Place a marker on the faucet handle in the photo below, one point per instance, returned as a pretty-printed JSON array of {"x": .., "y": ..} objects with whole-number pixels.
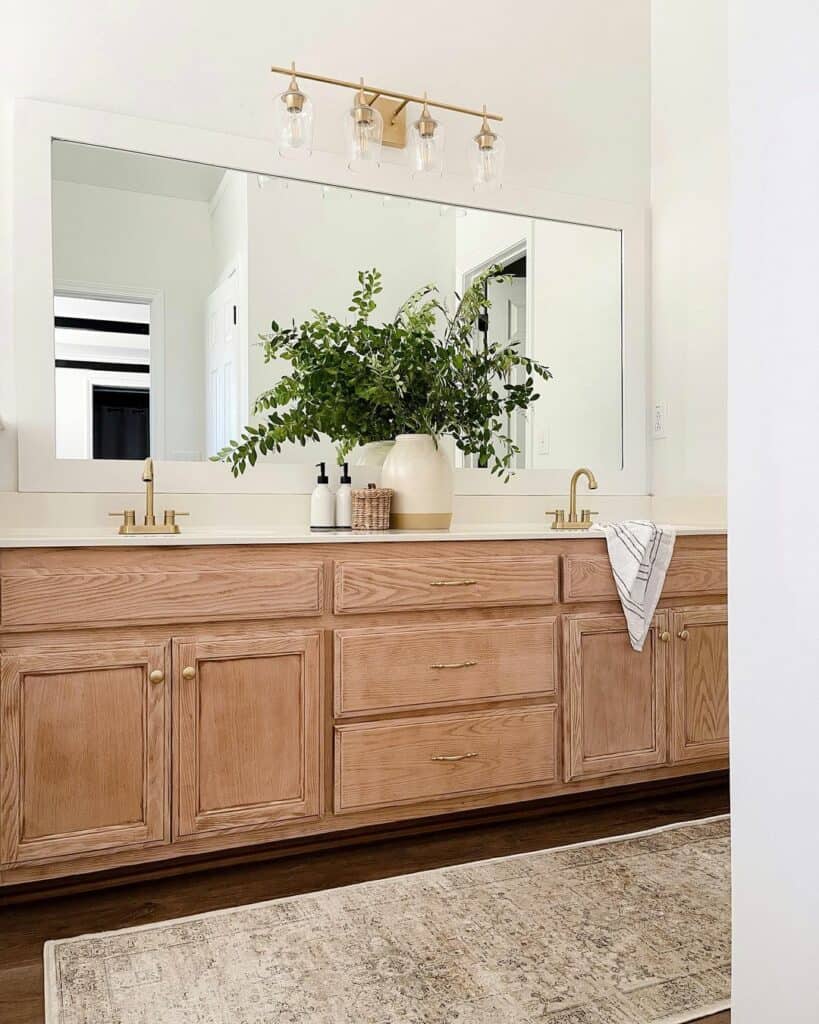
[
  {"x": 170, "y": 517},
  {"x": 128, "y": 519},
  {"x": 586, "y": 514},
  {"x": 560, "y": 517}
]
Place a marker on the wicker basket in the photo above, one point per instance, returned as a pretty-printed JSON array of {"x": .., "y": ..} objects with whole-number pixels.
[{"x": 371, "y": 508}]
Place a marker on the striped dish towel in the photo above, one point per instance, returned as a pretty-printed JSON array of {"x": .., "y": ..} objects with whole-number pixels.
[{"x": 639, "y": 552}]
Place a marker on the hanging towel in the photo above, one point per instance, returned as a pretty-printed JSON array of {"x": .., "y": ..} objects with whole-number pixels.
[{"x": 639, "y": 552}]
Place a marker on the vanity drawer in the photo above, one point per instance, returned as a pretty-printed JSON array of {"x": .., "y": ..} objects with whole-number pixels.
[
  {"x": 589, "y": 577},
  {"x": 407, "y": 667},
  {"x": 177, "y": 595},
  {"x": 429, "y": 583},
  {"x": 382, "y": 764}
]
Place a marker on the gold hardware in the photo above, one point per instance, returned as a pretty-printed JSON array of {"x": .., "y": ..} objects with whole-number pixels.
[
  {"x": 455, "y": 664},
  {"x": 188, "y": 672},
  {"x": 157, "y": 676},
  {"x": 665, "y": 637},
  {"x": 572, "y": 522},
  {"x": 683, "y": 634},
  {"x": 453, "y": 583},
  {"x": 149, "y": 525},
  {"x": 453, "y": 757},
  {"x": 292, "y": 72}
]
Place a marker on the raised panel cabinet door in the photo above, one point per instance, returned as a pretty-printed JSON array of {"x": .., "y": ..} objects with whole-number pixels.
[
  {"x": 247, "y": 732},
  {"x": 84, "y": 751},
  {"x": 698, "y": 706},
  {"x": 615, "y": 716}
]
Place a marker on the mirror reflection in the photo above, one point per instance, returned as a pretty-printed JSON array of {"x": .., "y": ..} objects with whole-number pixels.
[{"x": 166, "y": 273}]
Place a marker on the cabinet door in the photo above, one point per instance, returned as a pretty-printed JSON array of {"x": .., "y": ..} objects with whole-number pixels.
[
  {"x": 699, "y": 684},
  {"x": 247, "y": 732},
  {"x": 83, "y": 752},
  {"x": 615, "y": 696}
]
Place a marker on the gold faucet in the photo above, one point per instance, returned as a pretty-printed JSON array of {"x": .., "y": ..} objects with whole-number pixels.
[
  {"x": 573, "y": 523},
  {"x": 150, "y": 525}
]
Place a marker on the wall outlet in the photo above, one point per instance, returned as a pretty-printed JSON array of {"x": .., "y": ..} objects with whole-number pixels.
[
  {"x": 542, "y": 444},
  {"x": 658, "y": 421}
]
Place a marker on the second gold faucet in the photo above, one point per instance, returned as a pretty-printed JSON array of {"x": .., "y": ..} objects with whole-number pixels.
[{"x": 561, "y": 522}]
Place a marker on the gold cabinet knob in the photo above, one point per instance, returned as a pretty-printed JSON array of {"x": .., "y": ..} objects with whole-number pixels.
[
  {"x": 683, "y": 634},
  {"x": 665, "y": 636},
  {"x": 157, "y": 676},
  {"x": 188, "y": 672}
]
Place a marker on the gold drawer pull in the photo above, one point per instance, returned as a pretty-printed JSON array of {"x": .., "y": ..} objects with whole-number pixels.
[
  {"x": 683, "y": 634},
  {"x": 665, "y": 636},
  {"x": 453, "y": 757},
  {"x": 188, "y": 672},
  {"x": 455, "y": 664},
  {"x": 157, "y": 676},
  {"x": 453, "y": 583}
]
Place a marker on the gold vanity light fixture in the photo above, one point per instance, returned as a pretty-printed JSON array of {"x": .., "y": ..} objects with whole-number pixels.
[
  {"x": 562, "y": 521},
  {"x": 378, "y": 117}
]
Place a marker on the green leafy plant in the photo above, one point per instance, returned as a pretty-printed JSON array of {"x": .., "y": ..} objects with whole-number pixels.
[{"x": 420, "y": 373}]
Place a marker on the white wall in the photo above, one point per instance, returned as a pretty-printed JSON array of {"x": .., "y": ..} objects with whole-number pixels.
[
  {"x": 571, "y": 78},
  {"x": 113, "y": 237},
  {"x": 689, "y": 274},
  {"x": 772, "y": 489}
]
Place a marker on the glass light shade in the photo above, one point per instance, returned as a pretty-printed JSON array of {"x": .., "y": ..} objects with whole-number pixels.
[
  {"x": 487, "y": 164},
  {"x": 293, "y": 114},
  {"x": 426, "y": 148},
  {"x": 364, "y": 130}
]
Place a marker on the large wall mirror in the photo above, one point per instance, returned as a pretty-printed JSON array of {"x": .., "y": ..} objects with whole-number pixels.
[
  {"x": 166, "y": 272},
  {"x": 163, "y": 267}
]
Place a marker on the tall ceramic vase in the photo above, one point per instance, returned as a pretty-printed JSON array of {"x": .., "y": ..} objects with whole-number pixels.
[{"x": 420, "y": 474}]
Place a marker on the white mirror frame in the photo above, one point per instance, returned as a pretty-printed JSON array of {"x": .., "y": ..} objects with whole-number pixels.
[{"x": 37, "y": 124}]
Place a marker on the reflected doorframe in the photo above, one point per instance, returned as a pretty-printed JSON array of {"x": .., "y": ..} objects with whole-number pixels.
[{"x": 155, "y": 299}]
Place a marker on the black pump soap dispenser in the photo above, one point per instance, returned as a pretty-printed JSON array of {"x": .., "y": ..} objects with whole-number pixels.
[{"x": 322, "y": 502}]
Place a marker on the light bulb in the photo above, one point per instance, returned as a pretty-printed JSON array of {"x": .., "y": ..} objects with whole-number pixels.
[
  {"x": 364, "y": 128},
  {"x": 426, "y": 152},
  {"x": 293, "y": 113},
  {"x": 487, "y": 158}
]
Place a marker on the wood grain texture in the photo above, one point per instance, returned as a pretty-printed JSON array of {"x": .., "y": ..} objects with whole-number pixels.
[
  {"x": 398, "y": 668},
  {"x": 64, "y": 599},
  {"x": 391, "y": 763},
  {"x": 588, "y": 577},
  {"x": 615, "y": 697},
  {"x": 83, "y": 752},
  {"x": 698, "y": 704},
  {"x": 247, "y": 732},
  {"x": 448, "y": 581}
]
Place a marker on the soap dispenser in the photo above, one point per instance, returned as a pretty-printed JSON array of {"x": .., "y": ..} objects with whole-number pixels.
[
  {"x": 322, "y": 502},
  {"x": 344, "y": 500}
]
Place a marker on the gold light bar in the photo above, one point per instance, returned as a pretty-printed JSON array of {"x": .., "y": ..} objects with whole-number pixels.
[{"x": 391, "y": 93}]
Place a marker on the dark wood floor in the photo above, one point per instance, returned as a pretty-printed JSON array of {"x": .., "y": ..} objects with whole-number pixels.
[{"x": 24, "y": 927}]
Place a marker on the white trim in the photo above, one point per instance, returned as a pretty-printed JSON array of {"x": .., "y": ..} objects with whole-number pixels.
[{"x": 37, "y": 123}]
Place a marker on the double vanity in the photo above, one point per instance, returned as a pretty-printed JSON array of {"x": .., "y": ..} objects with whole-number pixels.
[{"x": 164, "y": 698}]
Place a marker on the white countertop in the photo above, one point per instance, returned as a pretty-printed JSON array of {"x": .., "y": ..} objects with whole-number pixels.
[{"x": 108, "y": 537}]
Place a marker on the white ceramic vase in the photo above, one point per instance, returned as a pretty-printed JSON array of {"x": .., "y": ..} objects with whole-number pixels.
[{"x": 420, "y": 474}]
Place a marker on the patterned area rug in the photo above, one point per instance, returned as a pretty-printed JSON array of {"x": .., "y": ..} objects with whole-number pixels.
[{"x": 634, "y": 930}]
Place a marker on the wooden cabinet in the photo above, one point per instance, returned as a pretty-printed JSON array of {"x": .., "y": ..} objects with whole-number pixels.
[
  {"x": 698, "y": 704},
  {"x": 170, "y": 702},
  {"x": 83, "y": 751},
  {"x": 615, "y": 698},
  {"x": 247, "y": 732}
]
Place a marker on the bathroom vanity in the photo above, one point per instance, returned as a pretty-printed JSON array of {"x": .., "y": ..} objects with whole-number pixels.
[{"x": 183, "y": 696}]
